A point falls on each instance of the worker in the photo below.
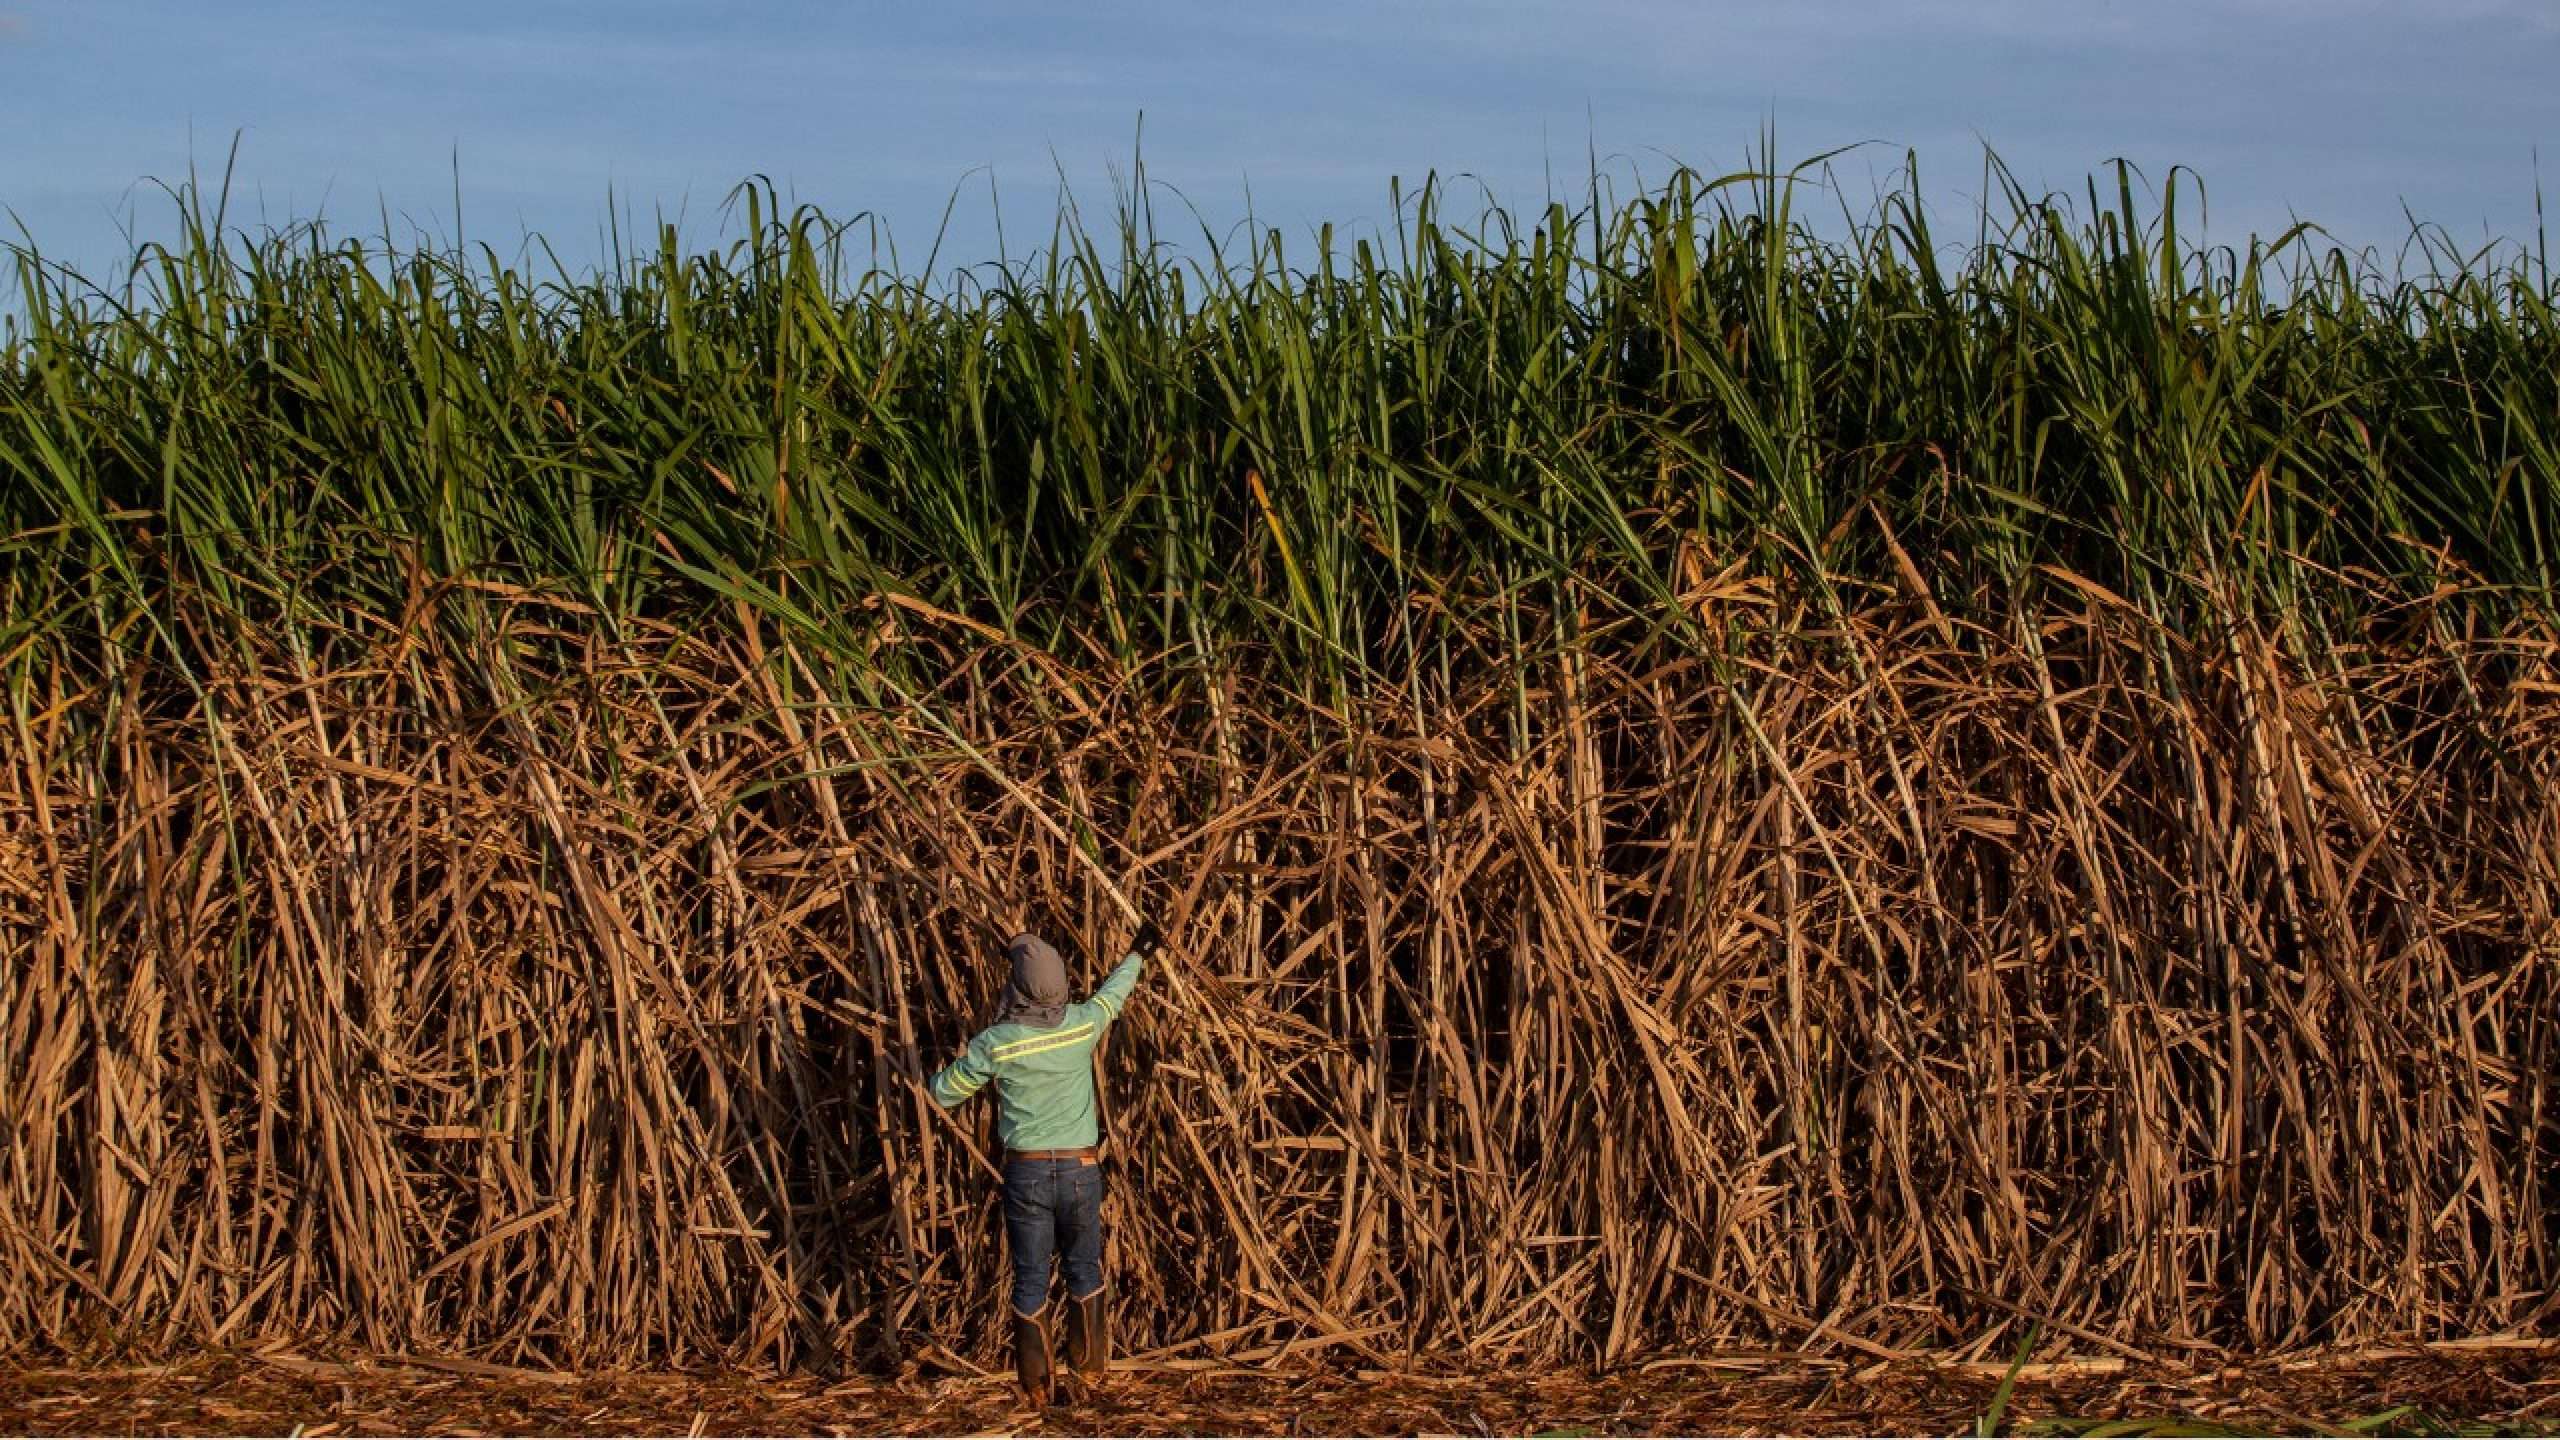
(1038, 1054)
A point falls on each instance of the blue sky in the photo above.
(2335, 110)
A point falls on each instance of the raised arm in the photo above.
(967, 1075)
(1113, 997)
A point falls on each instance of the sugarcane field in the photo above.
(1728, 802)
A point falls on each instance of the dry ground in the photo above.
(2440, 1391)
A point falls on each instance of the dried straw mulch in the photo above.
(2374, 1390)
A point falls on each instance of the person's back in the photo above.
(1039, 1056)
(1043, 1074)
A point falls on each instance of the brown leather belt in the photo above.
(1085, 1154)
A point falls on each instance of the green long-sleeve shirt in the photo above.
(1043, 1078)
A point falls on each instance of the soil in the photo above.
(2417, 1390)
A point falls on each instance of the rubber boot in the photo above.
(1089, 1335)
(1031, 1359)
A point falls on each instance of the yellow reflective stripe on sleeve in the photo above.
(1109, 1006)
(1057, 1041)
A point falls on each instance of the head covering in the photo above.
(1036, 995)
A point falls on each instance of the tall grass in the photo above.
(1709, 782)
(294, 423)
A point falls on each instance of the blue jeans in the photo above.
(1052, 1209)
